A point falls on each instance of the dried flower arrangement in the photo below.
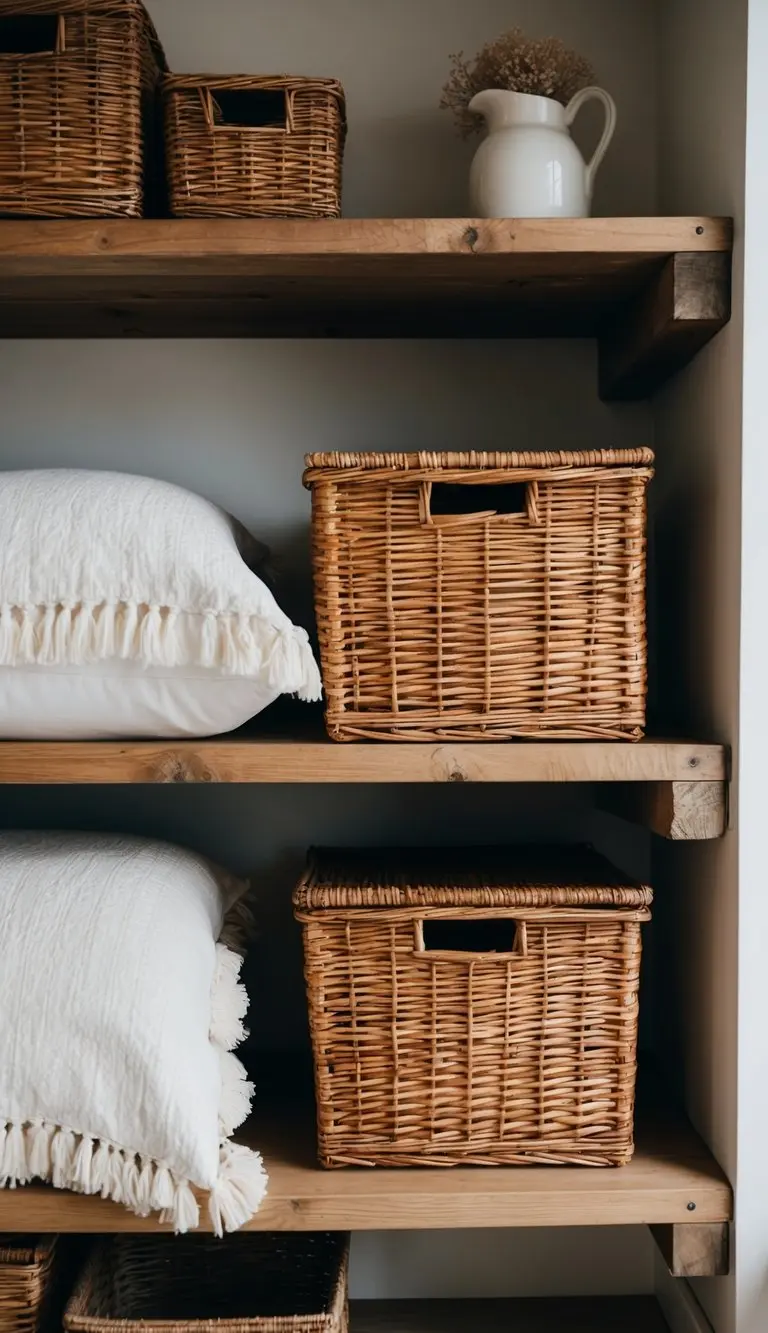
(519, 64)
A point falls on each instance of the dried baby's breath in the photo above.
(540, 65)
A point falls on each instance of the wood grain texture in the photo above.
(683, 811)
(630, 1314)
(357, 278)
(668, 323)
(671, 1169)
(264, 759)
(697, 1250)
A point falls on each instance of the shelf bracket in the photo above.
(699, 1249)
(686, 304)
(681, 811)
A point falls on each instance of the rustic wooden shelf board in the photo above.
(264, 758)
(671, 1170)
(627, 1314)
(652, 290)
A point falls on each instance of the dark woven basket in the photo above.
(79, 112)
(30, 1278)
(474, 1007)
(248, 146)
(250, 1283)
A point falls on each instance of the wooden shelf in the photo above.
(671, 1170)
(652, 290)
(675, 788)
(627, 1314)
(263, 758)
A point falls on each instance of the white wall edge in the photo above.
(678, 1303)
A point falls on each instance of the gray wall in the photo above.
(232, 420)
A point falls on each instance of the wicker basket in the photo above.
(247, 146)
(28, 1283)
(481, 596)
(252, 1283)
(472, 1007)
(78, 109)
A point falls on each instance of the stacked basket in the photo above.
(82, 101)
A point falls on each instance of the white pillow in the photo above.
(105, 568)
(119, 1012)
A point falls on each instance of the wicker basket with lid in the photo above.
(471, 1006)
(481, 596)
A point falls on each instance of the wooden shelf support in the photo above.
(681, 810)
(698, 1249)
(664, 327)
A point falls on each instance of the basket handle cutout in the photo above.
(248, 108)
(454, 504)
(33, 35)
(492, 939)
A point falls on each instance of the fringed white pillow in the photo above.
(120, 1007)
(126, 608)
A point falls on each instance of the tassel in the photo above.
(228, 654)
(238, 1190)
(83, 631)
(62, 1158)
(170, 642)
(130, 618)
(45, 654)
(8, 635)
(130, 1182)
(291, 666)
(26, 646)
(3, 1134)
(150, 646)
(114, 1185)
(39, 1136)
(62, 635)
(229, 1000)
(105, 634)
(143, 1205)
(236, 1093)
(100, 1170)
(14, 1169)
(208, 640)
(81, 1168)
(163, 1189)
(184, 1213)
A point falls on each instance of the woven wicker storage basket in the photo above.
(250, 1283)
(247, 146)
(475, 1007)
(79, 117)
(482, 595)
(28, 1283)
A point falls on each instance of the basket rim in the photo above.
(476, 460)
(297, 81)
(26, 1251)
(342, 879)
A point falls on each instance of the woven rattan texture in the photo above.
(80, 123)
(27, 1273)
(217, 169)
(485, 625)
(254, 1283)
(425, 1055)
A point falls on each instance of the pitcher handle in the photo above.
(574, 106)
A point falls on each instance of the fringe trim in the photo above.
(74, 634)
(40, 1149)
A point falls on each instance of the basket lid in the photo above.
(319, 465)
(523, 876)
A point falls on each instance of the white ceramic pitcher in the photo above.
(528, 165)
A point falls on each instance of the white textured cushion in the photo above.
(101, 567)
(118, 1014)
